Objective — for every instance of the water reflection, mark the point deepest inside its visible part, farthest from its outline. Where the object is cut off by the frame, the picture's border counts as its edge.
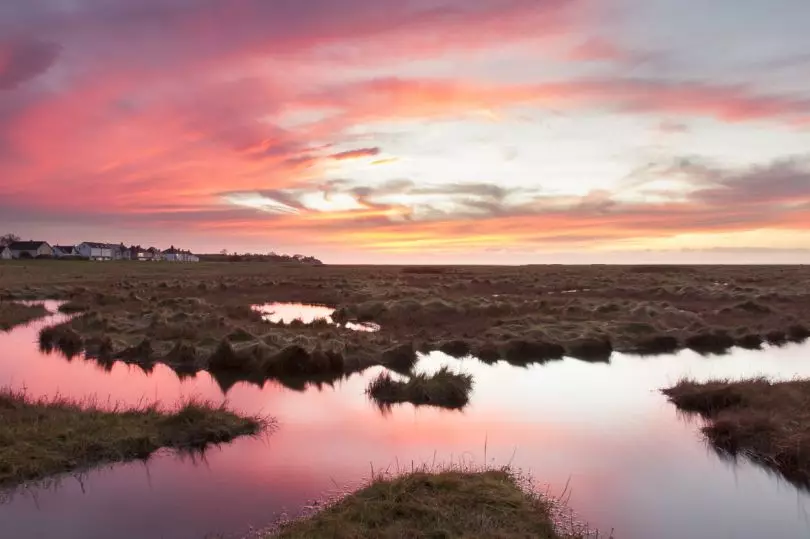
(634, 464)
(287, 313)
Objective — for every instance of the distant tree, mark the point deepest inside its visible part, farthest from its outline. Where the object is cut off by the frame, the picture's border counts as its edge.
(8, 239)
(223, 252)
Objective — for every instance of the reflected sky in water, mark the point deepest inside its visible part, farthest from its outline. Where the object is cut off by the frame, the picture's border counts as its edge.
(289, 312)
(634, 463)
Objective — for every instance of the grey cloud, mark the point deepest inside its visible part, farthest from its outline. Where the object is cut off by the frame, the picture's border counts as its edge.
(25, 60)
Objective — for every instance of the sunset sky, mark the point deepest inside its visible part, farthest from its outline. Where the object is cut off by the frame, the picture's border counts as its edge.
(471, 131)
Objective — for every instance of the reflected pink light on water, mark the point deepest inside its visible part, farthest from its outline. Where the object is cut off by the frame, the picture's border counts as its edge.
(289, 312)
(606, 429)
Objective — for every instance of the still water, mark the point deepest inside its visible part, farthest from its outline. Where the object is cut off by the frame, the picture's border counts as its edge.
(634, 464)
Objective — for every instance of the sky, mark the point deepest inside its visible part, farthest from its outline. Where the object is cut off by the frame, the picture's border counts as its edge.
(446, 131)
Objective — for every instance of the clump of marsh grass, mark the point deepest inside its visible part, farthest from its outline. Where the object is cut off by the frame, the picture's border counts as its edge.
(62, 338)
(768, 422)
(445, 389)
(43, 437)
(431, 501)
(400, 358)
(524, 352)
(716, 342)
(73, 306)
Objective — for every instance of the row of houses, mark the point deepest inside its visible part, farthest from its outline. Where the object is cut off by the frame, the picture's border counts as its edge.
(91, 250)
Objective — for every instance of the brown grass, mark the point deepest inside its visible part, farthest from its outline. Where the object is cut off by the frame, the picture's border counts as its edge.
(769, 422)
(13, 314)
(520, 314)
(39, 438)
(445, 389)
(483, 505)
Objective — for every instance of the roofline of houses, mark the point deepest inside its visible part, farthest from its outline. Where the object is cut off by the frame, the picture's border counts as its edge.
(96, 251)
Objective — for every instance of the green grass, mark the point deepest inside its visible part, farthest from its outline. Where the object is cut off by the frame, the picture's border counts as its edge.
(13, 314)
(768, 422)
(39, 438)
(457, 504)
(445, 388)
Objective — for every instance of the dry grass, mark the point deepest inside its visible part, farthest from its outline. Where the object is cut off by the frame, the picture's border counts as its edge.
(421, 504)
(769, 422)
(521, 314)
(445, 389)
(39, 438)
(13, 314)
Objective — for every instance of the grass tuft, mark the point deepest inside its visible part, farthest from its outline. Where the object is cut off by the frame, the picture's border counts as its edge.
(769, 422)
(421, 504)
(62, 338)
(39, 438)
(445, 389)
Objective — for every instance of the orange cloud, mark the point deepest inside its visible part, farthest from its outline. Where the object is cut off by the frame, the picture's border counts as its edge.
(355, 154)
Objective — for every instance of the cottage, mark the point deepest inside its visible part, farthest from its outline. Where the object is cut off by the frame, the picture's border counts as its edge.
(153, 254)
(173, 255)
(30, 249)
(118, 251)
(62, 251)
(5, 253)
(95, 251)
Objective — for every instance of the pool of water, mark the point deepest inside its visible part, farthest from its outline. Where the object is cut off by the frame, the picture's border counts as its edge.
(633, 463)
(289, 312)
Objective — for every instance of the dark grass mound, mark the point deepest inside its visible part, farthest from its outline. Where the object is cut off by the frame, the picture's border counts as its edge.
(710, 343)
(74, 306)
(765, 421)
(594, 349)
(445, 389)
(489, 504)
(41, 438)
(13, 314)
(62, 338)
(400, 358)
(522, 352)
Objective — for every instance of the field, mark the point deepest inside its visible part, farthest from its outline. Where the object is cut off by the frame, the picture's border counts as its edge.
(198, 316)
(39, 438)
(486, 504)
(764, 421)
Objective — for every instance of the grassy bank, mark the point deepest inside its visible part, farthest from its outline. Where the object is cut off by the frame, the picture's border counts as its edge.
(769, 422)
(445, 388)
(39, 438)
(14, 314)
(489, 504)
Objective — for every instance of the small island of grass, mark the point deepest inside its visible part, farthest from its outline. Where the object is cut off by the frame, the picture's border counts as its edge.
(39, 438)
(769, 422)
(445, 389)
(488, 504)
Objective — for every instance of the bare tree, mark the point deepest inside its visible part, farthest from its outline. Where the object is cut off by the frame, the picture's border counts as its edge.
(8, 239)
(223, 252)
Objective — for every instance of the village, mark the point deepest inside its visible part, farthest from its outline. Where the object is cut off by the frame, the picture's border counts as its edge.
(90, 250)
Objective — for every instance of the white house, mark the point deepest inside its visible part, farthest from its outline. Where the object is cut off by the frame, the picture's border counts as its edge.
(153, 254)
(5, 253)
(30, 249)
(95, 251)
(178, 255)
(118, 251)
(172, 255)
(61, 251)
